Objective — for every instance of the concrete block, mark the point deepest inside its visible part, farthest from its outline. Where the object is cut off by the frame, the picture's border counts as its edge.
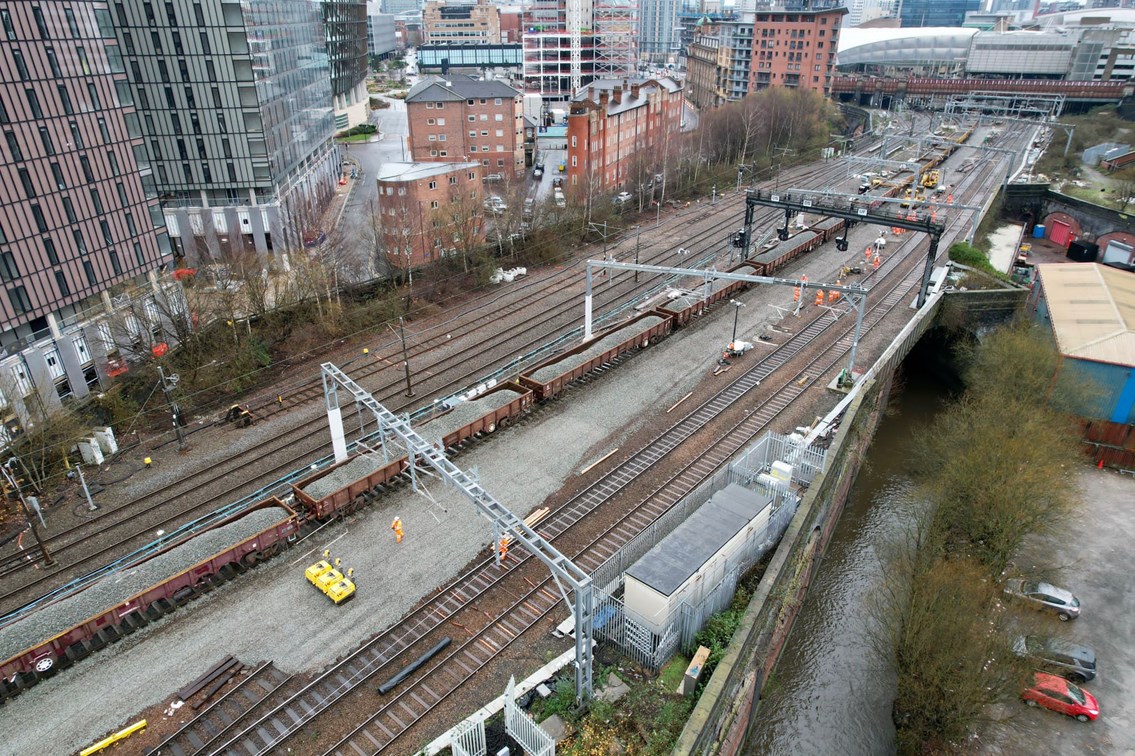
(107, 442)
(90, 452)
(555, 727)
(693, 672)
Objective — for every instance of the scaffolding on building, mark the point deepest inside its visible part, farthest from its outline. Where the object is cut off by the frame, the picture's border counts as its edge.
(616, 37)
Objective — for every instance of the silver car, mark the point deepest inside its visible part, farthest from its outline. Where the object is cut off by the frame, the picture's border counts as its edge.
(1045, 597)
(1067, 659)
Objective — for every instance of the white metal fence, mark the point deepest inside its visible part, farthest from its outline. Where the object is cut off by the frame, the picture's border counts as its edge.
(521, 728)
(468, 738)
(634, 637)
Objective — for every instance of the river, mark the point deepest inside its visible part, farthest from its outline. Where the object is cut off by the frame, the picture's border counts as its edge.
(831, 691)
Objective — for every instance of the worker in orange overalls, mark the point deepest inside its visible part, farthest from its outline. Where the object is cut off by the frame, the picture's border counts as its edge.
(876, 261)
(396, 526)
(502, 547)
(819, 296)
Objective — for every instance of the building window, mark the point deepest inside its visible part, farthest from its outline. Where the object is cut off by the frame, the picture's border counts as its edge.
(65, 98)
(115, 264)
(430, 121)
(131, 225)
(441, 122)
(93, 96)
(57, 174)
(69, 210)
(9, 28)
(433, 204)
(113, 160)
(14, 146)
(90, 271)
(433, 185)
(84, 64)
(61, 284)
(21, 66)
(49, 250)
(40, 221)
(26, 182)
(80, 242)
(8, 270)
(472, 118)
(85, 164)
(497, 101)
(96, 200)
(138, 256)
(33, 103)
(18, 296)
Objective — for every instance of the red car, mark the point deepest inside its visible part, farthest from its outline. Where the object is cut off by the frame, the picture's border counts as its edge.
(1058, 694)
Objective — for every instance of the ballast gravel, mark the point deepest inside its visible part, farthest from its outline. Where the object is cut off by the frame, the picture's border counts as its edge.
(120, 586)
(465, 413)
(602, 345)
(344, 475)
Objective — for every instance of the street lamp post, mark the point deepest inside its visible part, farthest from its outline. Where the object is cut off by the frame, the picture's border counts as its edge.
(736, 314)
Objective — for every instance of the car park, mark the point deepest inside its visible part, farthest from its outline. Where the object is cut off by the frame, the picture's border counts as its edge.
(1059, 695)
(1044, 597)
(1058, 656)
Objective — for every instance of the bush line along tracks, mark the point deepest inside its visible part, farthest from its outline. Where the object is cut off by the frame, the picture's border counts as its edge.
(537, 599)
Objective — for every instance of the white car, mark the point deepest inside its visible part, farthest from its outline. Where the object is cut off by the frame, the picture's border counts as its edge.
(623, 198)
(495, 205)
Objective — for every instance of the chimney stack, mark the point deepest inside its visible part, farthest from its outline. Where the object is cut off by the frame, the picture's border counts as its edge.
(603, 99)
(634, 90)
(616, 95)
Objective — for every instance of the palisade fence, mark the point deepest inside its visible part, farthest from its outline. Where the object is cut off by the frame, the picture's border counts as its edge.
(635, 638)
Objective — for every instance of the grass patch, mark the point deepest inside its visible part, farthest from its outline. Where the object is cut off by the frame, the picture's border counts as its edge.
(353, 139)
(672, 672)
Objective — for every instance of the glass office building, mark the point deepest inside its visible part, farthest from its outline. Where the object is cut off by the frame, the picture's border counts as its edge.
(236, 108)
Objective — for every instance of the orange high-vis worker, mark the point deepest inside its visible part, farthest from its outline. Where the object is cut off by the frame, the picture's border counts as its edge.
(796, 294)
(876, 262)
(833, 295)
(502, 547)
(949, 199)
(819, 296)
(867, 253)
(396, 526)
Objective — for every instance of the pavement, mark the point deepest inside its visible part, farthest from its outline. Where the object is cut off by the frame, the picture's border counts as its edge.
(1093, 555)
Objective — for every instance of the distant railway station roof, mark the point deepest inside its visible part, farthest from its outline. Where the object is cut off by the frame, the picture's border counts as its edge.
(906, 46)
(1092, 308)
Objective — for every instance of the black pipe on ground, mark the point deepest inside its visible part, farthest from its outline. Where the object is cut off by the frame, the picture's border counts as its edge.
(393, 682)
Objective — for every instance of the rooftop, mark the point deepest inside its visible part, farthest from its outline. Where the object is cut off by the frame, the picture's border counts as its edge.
(1092, 308)
(415, 171)
(456, 87)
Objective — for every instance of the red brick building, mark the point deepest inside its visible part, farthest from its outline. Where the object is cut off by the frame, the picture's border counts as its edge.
(428, 211)
(459, 118)
(795, 48)
(619, 132)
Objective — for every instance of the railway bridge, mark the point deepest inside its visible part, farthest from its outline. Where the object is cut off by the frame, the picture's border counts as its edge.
(882, 91)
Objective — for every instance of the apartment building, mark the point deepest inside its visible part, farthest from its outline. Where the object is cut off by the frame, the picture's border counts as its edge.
(459, 118)
(236, 106)
(658, 30)
(707, 70)
(345, 27)
(795, 47)
(79, 213)
(428, 211)
(461, 24)
(620, 132)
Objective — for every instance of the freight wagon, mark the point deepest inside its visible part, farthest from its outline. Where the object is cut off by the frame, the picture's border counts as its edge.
(550, 377)
(479, 412)
(694, 303)
(131, 598)
(342, 488)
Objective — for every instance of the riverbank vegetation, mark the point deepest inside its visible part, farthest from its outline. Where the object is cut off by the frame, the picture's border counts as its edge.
(995, 467)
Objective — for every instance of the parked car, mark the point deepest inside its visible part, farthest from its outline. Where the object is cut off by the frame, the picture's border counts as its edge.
(495, 204)
(1057, 694)
(563, 167)
(1061, 657)
(493, 178)
(1045, 597)
(558, 196)
(622, 198)
(558, 181)
(529, 207)
(538, 172)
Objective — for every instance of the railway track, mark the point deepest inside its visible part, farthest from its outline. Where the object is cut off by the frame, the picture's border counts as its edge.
(140, 518)
(421, 627)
